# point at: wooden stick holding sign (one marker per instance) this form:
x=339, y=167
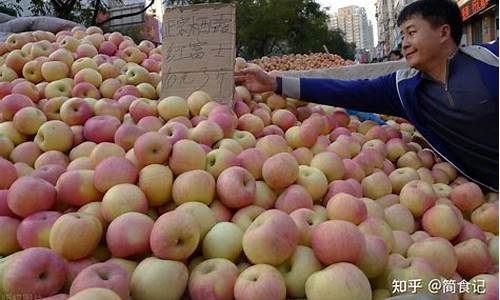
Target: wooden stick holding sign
x=199, y=51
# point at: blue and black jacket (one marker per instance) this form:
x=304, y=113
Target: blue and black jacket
x=458, y=119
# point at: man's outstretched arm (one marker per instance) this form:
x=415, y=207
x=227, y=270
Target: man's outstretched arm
x=377, y=95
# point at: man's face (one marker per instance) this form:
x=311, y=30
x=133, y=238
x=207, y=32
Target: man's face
x=421, y=42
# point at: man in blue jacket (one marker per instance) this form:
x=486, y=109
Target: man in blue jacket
x=450, y=94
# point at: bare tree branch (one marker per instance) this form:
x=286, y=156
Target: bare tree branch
x=127, y=15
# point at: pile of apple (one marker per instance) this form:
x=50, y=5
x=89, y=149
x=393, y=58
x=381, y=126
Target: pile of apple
x=300, y=62
x=107, y=192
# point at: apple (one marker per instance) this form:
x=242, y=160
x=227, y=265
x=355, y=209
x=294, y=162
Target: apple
x=344, y=280
x=402, y=241
x=409, y=269
x=483, y=286
x=54, y=70
x=27, y=88
x=330, y=164
x=62, y=55
x=353, y=170
x=260, y=281
x=304, y=156
x=126, y=135
x=54, y=135
x=175, y=235
x=410, y=159
x=59, y=88
x=447, y=168
x=486, y=217
x=373, y=208
x=156, y=182
x=15, y=61
x=195, y=185
x=271, y=238
x=123, y=198
x=399, y=217
x=251, y=123
x=13, y=103
x=443, y=221
x=380, y=228
x=206, y=132
x=9, y=173
x=467, y=196
x=112, y=171
x=236, y=187
x=439, y=252
x=265, y=197
x=75, y=235
x=32, y=71
x=469, y=231
x=328, y=242
x=49, y=173
x=418, y=196
x=473, y=258
x=272, y=144
x=196, y=100
x=375, y=257
x=132, y=54
x=294, y=197
x=30, y=194
x=346, y=207
x=52, y=157
x=85, y=50
x=313, y=180
x=8, y=229
x=69, y=43
x=253, y=160
x=75, y=111
x=224, y=240
x=220, y=159
x=401, y=176
x=245, y=138
x=128, y=234
x=202, y=213
x=102, y=275
x=173, y=106
x=100, y=129
x=77, y=188
x=280, y=171
x=105, y=150
x=152, y=148
x=225, y=118
x=213, y=279
x=127, y=90
x=6, y=146
x=187, y=155
x=246, y=215
x=35, y=272
x=27, y=152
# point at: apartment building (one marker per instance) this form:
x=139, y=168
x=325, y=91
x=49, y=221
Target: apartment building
x=353, y=21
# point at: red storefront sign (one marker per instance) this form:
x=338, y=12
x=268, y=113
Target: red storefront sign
x=473, y=7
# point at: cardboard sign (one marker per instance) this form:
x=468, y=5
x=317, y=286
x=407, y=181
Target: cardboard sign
x=199, y=51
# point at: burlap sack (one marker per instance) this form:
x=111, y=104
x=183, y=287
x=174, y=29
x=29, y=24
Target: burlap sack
x=10, y=25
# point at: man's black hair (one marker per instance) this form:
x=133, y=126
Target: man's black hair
x=437, y=13
x=396, y=52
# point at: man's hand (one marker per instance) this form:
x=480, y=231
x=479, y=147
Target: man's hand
x=256, y=80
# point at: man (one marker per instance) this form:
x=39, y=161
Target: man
x=450, y=94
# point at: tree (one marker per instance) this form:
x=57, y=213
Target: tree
x=272, y=27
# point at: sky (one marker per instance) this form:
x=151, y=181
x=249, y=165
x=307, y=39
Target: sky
x=369, y=6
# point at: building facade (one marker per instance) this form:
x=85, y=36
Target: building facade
x=480, y=19
x=354, y=23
